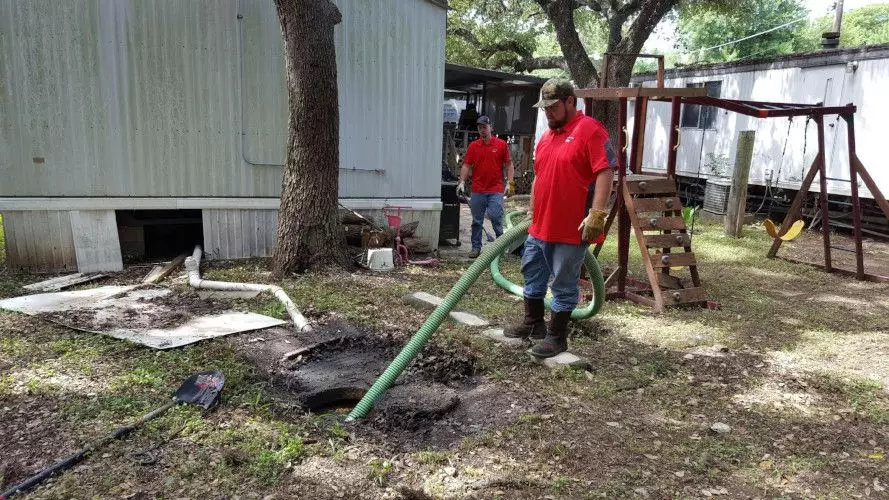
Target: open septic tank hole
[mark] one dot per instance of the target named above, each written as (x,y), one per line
(334,400)
(436,402)
(335,374)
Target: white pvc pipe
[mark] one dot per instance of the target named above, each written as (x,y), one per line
(193,267)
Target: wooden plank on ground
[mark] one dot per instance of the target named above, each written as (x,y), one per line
(661,223)
(158,273)
(62,282)
(663,185)
(673,259)
(666,204)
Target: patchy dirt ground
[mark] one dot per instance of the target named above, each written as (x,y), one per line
(162,311)
(794,365)
(809,247)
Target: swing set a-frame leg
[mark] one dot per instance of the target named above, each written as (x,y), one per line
(796,207)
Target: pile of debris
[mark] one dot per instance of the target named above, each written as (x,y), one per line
(362,232)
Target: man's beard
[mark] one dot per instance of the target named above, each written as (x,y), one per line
(556,124)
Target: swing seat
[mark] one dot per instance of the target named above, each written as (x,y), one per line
(791,233)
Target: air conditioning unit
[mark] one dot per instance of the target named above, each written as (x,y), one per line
(716,195)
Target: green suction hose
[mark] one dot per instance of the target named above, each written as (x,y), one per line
(593,269)
(507,242)
(408,352)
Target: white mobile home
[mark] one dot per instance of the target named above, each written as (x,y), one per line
(128,125)
(784,148)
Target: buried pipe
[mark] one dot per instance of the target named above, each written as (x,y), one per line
(193,267)
(507,241)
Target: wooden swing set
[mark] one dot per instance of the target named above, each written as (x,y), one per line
(647,203)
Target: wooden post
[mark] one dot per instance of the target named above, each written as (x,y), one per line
(737,198)
(856,202)
(825,214)
(675,110)
(623,218)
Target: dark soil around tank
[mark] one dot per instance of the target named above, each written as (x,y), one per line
(437,400)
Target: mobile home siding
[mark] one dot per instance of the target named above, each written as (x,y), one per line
(179,99)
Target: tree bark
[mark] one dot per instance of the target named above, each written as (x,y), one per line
(561,14)
(309,230)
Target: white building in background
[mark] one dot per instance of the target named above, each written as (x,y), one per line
(784,149)
(129,125)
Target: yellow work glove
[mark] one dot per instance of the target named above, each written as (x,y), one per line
(593,226)
(510,189)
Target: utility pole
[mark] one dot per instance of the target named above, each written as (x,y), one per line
(838,16)
(831,39)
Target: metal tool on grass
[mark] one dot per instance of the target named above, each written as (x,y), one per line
(201,389)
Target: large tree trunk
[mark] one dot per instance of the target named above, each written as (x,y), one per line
(309,230)
(620,67)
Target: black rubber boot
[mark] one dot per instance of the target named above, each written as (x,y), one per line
(534,325)
(556,340)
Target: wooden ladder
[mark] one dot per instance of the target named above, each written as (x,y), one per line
(655,213)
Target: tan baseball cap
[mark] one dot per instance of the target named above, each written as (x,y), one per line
(554,90)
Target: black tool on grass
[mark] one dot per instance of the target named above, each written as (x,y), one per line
(201,389)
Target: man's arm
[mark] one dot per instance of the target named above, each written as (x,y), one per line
(604,182)
(465,172)
(605,162)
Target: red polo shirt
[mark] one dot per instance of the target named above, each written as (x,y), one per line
(487,164)
(566,164)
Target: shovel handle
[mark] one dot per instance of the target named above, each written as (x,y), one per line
(72,460)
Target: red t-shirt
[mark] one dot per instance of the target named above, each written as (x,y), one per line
(566,164)
(487,164)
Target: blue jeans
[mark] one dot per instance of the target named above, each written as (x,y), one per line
(562,261)
(481,204)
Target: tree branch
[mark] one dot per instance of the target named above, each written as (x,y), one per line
(629,8)
(465,34)
(551,62)
(650,13)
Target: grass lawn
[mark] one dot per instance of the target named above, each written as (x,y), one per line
(795,363)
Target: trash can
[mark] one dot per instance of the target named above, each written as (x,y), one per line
(449,228)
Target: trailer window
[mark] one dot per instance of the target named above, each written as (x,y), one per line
(697,116)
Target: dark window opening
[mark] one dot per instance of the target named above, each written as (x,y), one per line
(158,234)
(697,116)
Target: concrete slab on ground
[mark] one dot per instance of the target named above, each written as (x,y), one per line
(429,301)
(562,360)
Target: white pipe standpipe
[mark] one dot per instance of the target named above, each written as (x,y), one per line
(193,267)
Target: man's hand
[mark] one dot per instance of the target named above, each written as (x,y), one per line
(593,226)
(510,189)
(461,190)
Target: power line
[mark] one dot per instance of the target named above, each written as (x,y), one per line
(751,36)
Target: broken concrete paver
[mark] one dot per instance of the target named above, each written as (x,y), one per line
(429,301)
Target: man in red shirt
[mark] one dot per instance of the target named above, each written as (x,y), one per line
(485,160)
(573,159)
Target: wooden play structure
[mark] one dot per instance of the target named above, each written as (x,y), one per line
(647,203)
